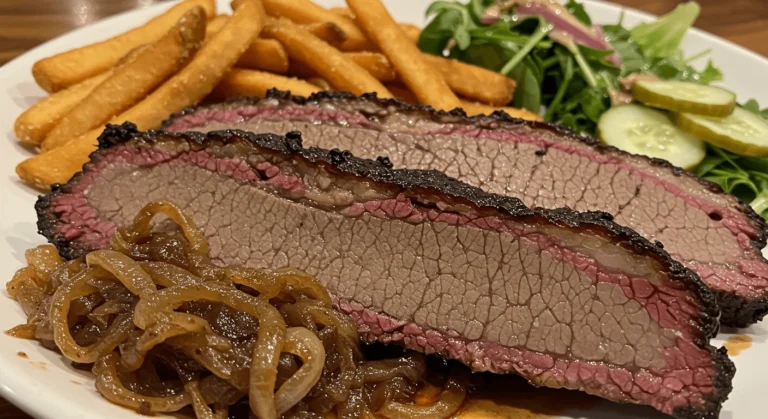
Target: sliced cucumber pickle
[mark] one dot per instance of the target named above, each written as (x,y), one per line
(640,130)
(743,132)
(680,96)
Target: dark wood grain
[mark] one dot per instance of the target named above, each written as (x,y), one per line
(25,24)
(744,22)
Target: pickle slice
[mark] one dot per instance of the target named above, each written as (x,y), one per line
(743,132)
(640,130)
(680,96)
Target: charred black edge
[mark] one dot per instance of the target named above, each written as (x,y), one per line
(344,163)
(738,311)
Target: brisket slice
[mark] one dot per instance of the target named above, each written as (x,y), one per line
(710,232)
(565,299)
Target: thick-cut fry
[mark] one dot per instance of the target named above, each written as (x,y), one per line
(321,83)
(63,70)
(305,11)
(134,80)
(325,60)
(262,54)
(412,31)
(328,32)
(466,80)
(267,55)
(37,121)
(242,82)
(423,80)
(474,108)
(186,88)
(215,25)
(473,82)
(342,11)
(375,63)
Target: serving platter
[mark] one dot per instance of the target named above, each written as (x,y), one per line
(44,385)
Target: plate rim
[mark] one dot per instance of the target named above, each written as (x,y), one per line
(20,392)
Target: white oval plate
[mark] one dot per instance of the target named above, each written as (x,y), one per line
(46,386)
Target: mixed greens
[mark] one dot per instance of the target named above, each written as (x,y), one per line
(572,71)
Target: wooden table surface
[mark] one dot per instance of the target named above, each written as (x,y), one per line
(25,24)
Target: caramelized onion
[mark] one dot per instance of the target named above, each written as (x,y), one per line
(167,275)
(111,387)
(202,411)
(449,402)
(77,287)
(141,228)
(125,269)
(165,328)
(304,344)
(44,260)
(22,331)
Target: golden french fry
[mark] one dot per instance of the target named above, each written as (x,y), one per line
(466,80)
(305,11)
(263,54)
(421,78)
(375,63)
(193,83)
(342,11)
(67,68)
(328,32)
(323,59)
(37,121)
(266,55)
(215,25)
(321,83)
(474,108)
(133,81)
(242,82)
(473,82)
(412,31)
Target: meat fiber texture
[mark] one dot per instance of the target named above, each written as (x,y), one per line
(712,233)
(416,258)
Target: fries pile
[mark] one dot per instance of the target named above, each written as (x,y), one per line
(190,53)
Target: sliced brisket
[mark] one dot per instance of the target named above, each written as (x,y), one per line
(564,299)
(710,232)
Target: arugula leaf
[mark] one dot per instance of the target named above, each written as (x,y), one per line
(500,33)
(435,36)
(661,38)
(754,107)
(565,61)
(528,93)
(675,67)
(477,7)
(744,177)
(710,74)
(452,21)
(577,10)
(533,41)
(710,162)
(622,42)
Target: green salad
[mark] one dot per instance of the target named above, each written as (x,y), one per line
(632,87)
